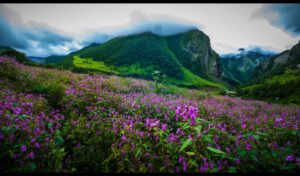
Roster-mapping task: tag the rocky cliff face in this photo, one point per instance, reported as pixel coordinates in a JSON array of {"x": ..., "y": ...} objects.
[
  {"x": 238, "y": 68},
  {"x": 289, "y": 59},
  {"x": 200, "y": 57},
  {"x": 202, "y": 54}
]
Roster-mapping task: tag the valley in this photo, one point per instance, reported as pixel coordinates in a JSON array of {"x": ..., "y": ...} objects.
[{"x": 155, "y": 88}]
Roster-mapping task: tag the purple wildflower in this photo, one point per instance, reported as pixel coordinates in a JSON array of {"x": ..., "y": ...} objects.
[
  {"x": 37, "y": 145},
  {"x": 185, "y": 166},
  {"x": 32, "y": 140},
  {"x": 124, "y": 138},
  {"x": 23, "y": 148},
  {"x": 31, "y": 155},
  {"x": 172, "y": 137},
  {"x": 248, "y": 147},
  {"x": 244, "y": 125},
  {"x": 164, "y": 127},
  {"x": 219, "y": 165},
  {"x": 290, "y": 157},
  {"x": 180, "y": 159}
]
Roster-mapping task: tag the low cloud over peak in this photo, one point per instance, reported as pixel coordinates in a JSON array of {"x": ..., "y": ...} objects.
[
  {"x": 160, "y": 24},
  {"x": 40, "y": 39},
  {"x": 252, "y": 48},
  {"x": 140, "y": 22}
]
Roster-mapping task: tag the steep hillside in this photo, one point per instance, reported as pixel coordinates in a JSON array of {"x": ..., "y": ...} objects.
[
  {"x": 193, "y": 50},
  {"x": 278, "y": 79},
  {"x": 277, "y": 65},
  {"x": 282, "y": 88},
  {"x": 185, "y": 59},
  {"x": 239, "y": 68},
  {"x": 10, "y": 52}
]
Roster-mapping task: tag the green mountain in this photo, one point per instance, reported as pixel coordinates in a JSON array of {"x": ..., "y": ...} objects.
[
  {"x": 7, "y": 51},
  {"x": 36, "y": 59},
  {"x": 239, "y": 68},
  {"x": 277, "y": 65},
  {"x": 277, "y": 79},
  {"x": 186, "y": 59}
]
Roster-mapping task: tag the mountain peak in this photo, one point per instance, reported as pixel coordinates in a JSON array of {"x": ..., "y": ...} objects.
[
  {"x": 194, "y": 31},
  {"x": 186, "y": 59}
]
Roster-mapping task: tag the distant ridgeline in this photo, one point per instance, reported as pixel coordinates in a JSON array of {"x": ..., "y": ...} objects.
[
  {"x": 276, "y": 79},
  {"x": 239, "y": 68},
  {"x": 186, "y": 59}
]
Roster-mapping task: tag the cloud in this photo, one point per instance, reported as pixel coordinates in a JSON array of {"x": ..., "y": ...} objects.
[
  {"x": 284, "y": 16},
  {"x": 32, "y": 38},
  {"x": 9, "y": 34},
  {"x": 95, "y": 37},
  {"x": 140, "y": 22},
  {"x": 262, "y": 50},
  {"x": 224, "y": 49},
  {"x": 159, "y": 24},
  {"x": 40, "y": 39},
  {"x": 252, "y": 48}
]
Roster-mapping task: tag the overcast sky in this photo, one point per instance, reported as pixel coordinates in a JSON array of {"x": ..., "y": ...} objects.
[{"x": 44, "y": 29}]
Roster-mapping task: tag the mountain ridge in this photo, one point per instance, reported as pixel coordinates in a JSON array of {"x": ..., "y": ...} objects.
[
  {"x": 277, "y": 79},
  {"x": 238, "y": 68},
  {"x": 181, "y": 57}
]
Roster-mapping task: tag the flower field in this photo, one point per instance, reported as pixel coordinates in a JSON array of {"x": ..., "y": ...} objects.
[{"x": 58, "y": 121}]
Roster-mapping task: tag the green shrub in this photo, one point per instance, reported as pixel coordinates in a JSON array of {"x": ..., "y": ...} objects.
[
  {"x": 89, "y": 147},
  {"x": 9, "y": 71},
  {"x": 21, "y": 57}
]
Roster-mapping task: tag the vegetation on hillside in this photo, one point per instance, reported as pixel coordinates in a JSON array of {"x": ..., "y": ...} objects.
[
  {"x": 276, "y": 79},
  {"x": 277, "y": 65},
  {"x": 280, "y": 88},
  {"x": 59, "y": 121},
  {"x": 240, "y": 68},
  {"x": 19, "y": 56},
  {"x": 181, "y": 57}
]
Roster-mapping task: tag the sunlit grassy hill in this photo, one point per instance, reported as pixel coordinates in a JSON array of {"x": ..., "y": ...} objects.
[{"x": 186, "y": 59}]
